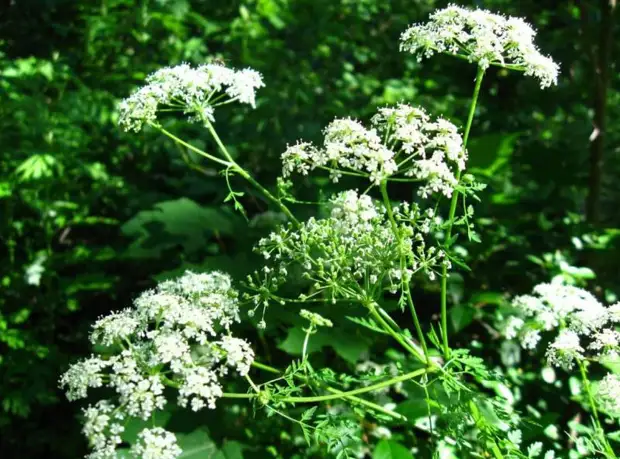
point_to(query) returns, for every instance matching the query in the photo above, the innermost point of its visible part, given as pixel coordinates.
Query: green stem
(595, 416)
(362, 390)
(267, 368)
(254, 386)
(190, 146)
(453, 202)
(414, 315)
(246, 175)
(413, 351)
(304, 349)
(235, 395)
(351, 398)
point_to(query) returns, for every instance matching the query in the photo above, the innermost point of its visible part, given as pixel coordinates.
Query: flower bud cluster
(350, 255)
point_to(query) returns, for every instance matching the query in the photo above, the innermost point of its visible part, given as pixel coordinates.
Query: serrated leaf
(307, 415)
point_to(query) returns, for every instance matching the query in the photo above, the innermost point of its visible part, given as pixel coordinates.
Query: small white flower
(200, 388)
(614, 312)
(117, 326)
(429, 150)
(608, 394)
(239, 354)
(605, 340)
(102, 428)
(156, 443)
(530, 339)
(534, 449)
(513, 326)
(565, 350)
(347, 146)
(83, 375)
(35, 270)
(176, 335)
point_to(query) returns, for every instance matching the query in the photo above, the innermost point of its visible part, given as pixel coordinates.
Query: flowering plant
(176, 343)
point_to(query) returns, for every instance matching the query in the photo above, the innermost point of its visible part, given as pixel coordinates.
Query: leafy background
(107, 214)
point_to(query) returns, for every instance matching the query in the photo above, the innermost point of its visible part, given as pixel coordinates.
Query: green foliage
(91, 216)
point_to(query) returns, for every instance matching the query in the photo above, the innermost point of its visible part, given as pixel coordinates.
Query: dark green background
(113, 212)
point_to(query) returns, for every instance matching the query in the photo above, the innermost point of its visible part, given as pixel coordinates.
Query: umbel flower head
(482, 37)
(193, 91)
(427, 150)
(576, 313)
(177, 335)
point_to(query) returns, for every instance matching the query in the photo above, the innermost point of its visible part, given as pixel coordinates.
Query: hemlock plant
(176, 343)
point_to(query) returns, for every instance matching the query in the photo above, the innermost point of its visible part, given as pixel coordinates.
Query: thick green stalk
(414, 315)
(246, 175)
(413, 351)
(453, 202)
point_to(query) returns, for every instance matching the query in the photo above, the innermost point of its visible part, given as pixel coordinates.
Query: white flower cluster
(156, 443)
(347, 146)
(579, 316)
(348, 255)
(429, 150)
(177, 335)
(482, 37)
(608, 394)
(194, 91)
(420, 147)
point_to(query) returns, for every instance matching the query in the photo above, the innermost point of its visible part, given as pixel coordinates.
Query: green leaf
(612, 364)
(346, 343)
(490, 153)
(181, 222)
(461, 317)
(197, 445)
(229, 450)
(37, 167)
(484, 298)
(307, 415)
(389, 449)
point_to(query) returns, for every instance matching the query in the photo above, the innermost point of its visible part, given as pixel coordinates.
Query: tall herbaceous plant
(176, 344)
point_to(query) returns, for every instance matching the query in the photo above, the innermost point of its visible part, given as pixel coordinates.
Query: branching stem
(405, 286)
